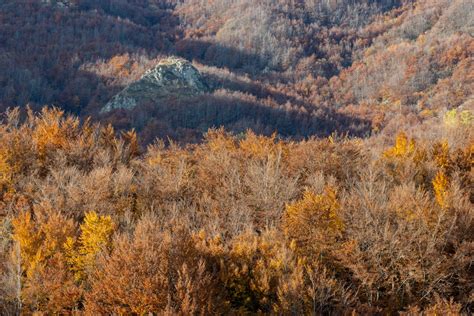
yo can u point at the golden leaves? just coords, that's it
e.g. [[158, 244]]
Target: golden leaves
[[29, 239], [379, 235], [403, 147], [217, 140], [40, 239], [253, 268], [314, 220], [96, 233], [52, 130], [440, 186], [259, 146]]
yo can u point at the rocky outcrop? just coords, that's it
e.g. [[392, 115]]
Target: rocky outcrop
[[170, 78], [58, 3]]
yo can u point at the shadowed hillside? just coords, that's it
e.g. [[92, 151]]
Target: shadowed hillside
[[373, 61]]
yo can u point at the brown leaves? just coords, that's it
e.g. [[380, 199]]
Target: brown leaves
[[151, 271], [237, 224]]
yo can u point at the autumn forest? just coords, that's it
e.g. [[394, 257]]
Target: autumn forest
[[236, 157]]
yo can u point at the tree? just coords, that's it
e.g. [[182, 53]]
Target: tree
[[46, 283], [314, 223], [96, 235], [152, 271]]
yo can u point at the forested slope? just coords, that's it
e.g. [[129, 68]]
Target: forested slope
[[322, 165], [314, 67]]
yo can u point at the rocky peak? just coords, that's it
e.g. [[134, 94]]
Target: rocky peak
[[171, 77]]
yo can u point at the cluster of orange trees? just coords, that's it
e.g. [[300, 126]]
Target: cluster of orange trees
[[92, 223]]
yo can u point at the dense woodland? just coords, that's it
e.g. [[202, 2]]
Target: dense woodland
[[328, 171], [236, 224], [298, 68]]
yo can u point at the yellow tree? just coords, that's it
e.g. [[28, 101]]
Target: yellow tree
[[403, 147], [406, 161], [96, 234], [46, 283], [51, 131], [314, 222], [440, 186]]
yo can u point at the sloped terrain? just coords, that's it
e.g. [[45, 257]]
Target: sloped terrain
[[236, 157], [311, 57], [318, 66]]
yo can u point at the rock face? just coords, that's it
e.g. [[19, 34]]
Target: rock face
[[170, 78], [58, 3]]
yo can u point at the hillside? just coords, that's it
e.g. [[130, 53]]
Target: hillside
[[305, 68], [236, 157]]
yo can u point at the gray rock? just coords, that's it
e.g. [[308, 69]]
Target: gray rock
[[62, 4], [170, 78]]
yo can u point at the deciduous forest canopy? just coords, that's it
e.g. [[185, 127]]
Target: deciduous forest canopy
[[236, 157]]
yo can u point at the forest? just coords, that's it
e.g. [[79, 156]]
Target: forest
[[326, 171], [234, 225], [300, 68]]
